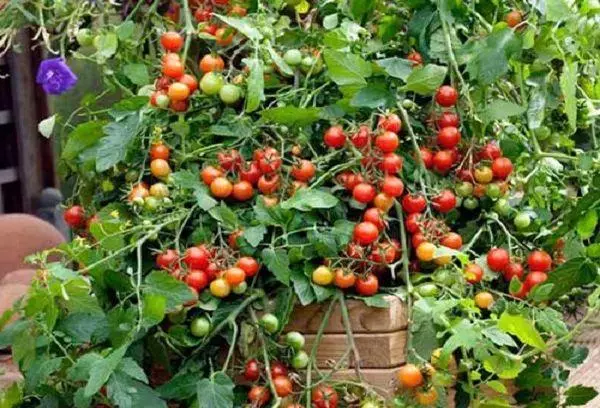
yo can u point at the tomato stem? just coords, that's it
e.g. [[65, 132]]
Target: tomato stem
[[349, 335]]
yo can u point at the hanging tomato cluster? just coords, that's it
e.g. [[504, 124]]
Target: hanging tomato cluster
[[416, 382], [204, 15]]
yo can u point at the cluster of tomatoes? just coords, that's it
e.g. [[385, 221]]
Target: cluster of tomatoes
[[539, 264], [416, 382], [206, 267], [76, 218], [204, 15]]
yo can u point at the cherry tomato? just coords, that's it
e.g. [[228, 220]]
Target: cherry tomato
[[426, 251], [365, 233], [230, 94], [427, 157], [390, 123], [159, 151], [171, 41], [427, 397], [211, 83], [160, 168], [251, 370], [242, 191], [322, 276], [238, 10], [498, 259], [197, 280], [268, 183], [173, 68], [278, 369], [234, 276], [295, 340], [270, 323], [452, 240], [443, 161], [465, 175], [221, 187], [383, 202], [178, 91], [324, 397], [212, 63], [387, 142], [362, 137], [233, 238], [190, 81], [270, 160], [412, 222], [522, 220], [446, 96], [539, 261], [178, 106], [167, 259], [210, 28], [344, 279], [209, 174], [259, 396], [484, 300], [417, 239], [367, 286], [513, 269], [483, 174], [445, 201], [448, 137], [220, 288], [409, 376], [415, 58], [334, 137], [490, 151], [304, 170], [139, 191], [534, 278], [250, 173], [196, 257], [224, 36], [514, 18], [392, 186], [283, 386], [200, 327], [203, 14], [502, 167], [414, 203], [391, 163], [75, 216], [473, 273], [448, 119], [229, 160], [375, 216], [249, 265], [364, 193], [299, 362], [383, 253]]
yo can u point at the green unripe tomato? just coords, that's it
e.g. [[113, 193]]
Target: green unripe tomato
[[295, 340], [138, 202], [408, 104], [270, 323], [162, 101], [502, 207], [522, 220], [200, 327], [230, 94], [167, 202], [211, 83], [107, 186], [293, 57], [428, 290], [543, 132], [464, 189], [470, 203], [151, 204], [132, 176], [240, 288], [493, 190], [443, 277], [300, 360], [85, 38]]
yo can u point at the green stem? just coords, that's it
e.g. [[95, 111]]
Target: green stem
[[557, 156], [349, 335], [189, 29], [405, 272], [231, 347], [416, 148], [263, 346]]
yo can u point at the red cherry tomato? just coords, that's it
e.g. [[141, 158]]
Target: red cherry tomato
[[452, 240], [513, 269], [270, 160], [445, 201], [490, 151], [212, 63], [414, 203], [365, 233], [413, 222], [502, 167], [446, 96], [268, 183], [171, 41], [375, 216], [278, 369], [415, 58], [534, 278], [334, 137], [539, 261], [427, 157], [362, 137], [259, 396], [367, 286], [391, 163], [75, 216], [448, 137], [443, 161], [190, 81], [387, 142], [390, 123], [242, 191], [304, 171], [392, 186], [249, 265], [448, 119], [250, 173], [514, 18], [283, 386], [364, 193], [473, 273], [197, 280], [196, 257], [417, 239], [251, 370], [498, 259], [167, 259]]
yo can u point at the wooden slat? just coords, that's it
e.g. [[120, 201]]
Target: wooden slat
[[363, 319], [377, 350]]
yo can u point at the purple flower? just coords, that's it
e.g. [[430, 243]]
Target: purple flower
[[55, 76]]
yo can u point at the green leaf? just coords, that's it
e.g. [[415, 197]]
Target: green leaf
[[498, 337], [254, 235], [278, 262], [373, 96], [557, 10], [106, 44], [396, 67], [522, 328], [308, 199], [574, 273], [108, 233], [130, 367], [501, 110], [12, 396], [505, 368], [465, 335], [77, 297], [84, 136], [127, 392], [216, 392], [137, 73], [173, 290], [490, 56], [102, 370], [568, 86], [302, 287], [292, 115], [379, 300], [39, 372], [80, 371], [125, 30], [330, 21], [580, 395], [188, 180], [426, 80], [541, 293], [180, 387], [587, 225], [242, 25], [536, 108], [423, 329], [572, 356], [155, 307], [347, 69], [225, 215], [80, 327], [497, 386], [114, 145], [280, 62], [360, 9], [255, 93]]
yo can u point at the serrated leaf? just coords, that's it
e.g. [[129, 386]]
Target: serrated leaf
[[500, 110], [498, 337], [292, 115], [126, 392], [255, 92], [242, 25], [302, 287], [117, 138], [490, 56], [181, 387], [557, 10], [308, 199], [137, 73], [396, 67], [346, 69], [216, 392], [278, 263], [254, 235], [280, 62], [426, 80], [568, 86], [522, 328], [101, 371], [373, 96], [587, 225], [106, 44], [576, 272], [83, 137], [225, 215], [579, 395], [536, 108], [173, 290]]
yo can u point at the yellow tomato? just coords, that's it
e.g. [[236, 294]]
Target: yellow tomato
[[426, 251], [322, 276], [220, 288]]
